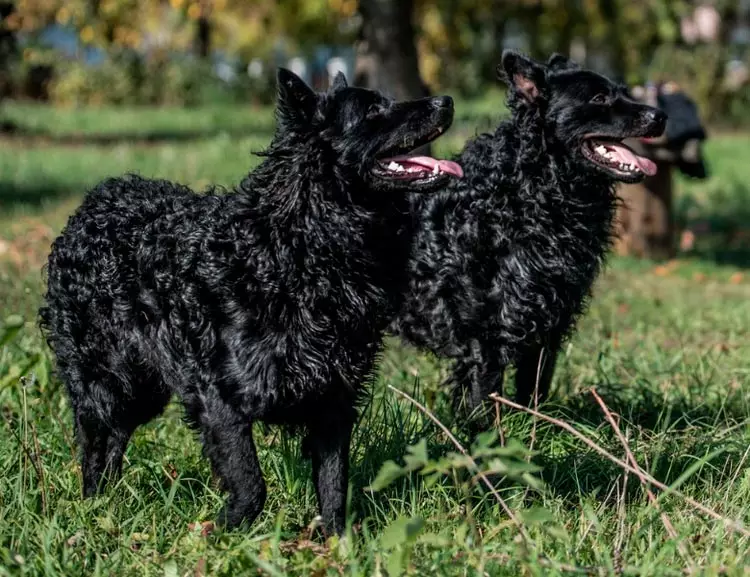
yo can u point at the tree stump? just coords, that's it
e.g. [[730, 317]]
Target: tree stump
[[645, 225]]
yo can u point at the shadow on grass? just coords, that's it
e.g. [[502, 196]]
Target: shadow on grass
[[719, 218], [28, 138], [723, 256], [30, 194], [656, 411], [670, 437]]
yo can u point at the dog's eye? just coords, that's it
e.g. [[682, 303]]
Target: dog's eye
[[374, 111], [600, 99]]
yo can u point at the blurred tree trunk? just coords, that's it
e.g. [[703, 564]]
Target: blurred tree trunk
[[387, 51], [645, 218], [8, 49], [645, 223], [203, 30], [202, 43], [611, 13]]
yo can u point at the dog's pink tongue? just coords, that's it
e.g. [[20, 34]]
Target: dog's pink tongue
[[446, 166], [627, 156]]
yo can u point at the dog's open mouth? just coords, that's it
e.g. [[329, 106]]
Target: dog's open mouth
[[617, 158], [399, 165], [418, 167]]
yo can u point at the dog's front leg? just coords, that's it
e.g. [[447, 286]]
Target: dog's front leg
[[328, 446], [228, 443]]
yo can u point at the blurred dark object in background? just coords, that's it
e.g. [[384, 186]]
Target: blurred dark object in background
[[645, 221], [8, 49], [684, 122]]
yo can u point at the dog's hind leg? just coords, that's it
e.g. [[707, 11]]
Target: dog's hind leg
[[478, 374], [528, 370], [228, 444], [327, 443]]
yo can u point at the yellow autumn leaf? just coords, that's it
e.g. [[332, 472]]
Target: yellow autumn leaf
[[349, 7], [194, 12], [87, 34]]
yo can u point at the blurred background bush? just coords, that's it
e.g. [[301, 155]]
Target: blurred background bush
[[191, 52]]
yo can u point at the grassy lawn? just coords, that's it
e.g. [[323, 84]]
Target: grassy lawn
[[665, 345]]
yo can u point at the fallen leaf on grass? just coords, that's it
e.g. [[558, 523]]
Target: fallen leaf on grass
[[303, 545], [206, 527], [722, 348], [667, 269], [171, 471], [200, 568], [736, 278], [73, 540], [137, 540], [699, 277]]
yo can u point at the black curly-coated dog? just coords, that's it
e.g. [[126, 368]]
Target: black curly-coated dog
[[266, 304], [505, 258]]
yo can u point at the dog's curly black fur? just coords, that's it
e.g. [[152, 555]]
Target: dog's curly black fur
[[505, 258], [267, 304]]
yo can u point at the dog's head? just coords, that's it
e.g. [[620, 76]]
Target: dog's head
[[588, 114], [370, 136]]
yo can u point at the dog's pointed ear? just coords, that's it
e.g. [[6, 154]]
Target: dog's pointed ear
[[339, 82], [522, 74], [296, 101], [561, 62]]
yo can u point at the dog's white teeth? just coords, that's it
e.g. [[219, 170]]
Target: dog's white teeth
[[395, 166], [435, 169], [601, 149]]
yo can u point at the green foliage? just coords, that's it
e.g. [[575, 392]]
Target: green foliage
[[698, 70], [486, 458], [130, 80]]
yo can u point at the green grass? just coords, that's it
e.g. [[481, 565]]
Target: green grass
[[665, 347], [136, 122]]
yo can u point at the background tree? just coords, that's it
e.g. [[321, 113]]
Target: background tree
[[386, 49]]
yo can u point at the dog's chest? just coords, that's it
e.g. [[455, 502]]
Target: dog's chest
[[546, 264], [312, 326]]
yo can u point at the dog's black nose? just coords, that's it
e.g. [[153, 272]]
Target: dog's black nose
[[657, 117], [442, 102]]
